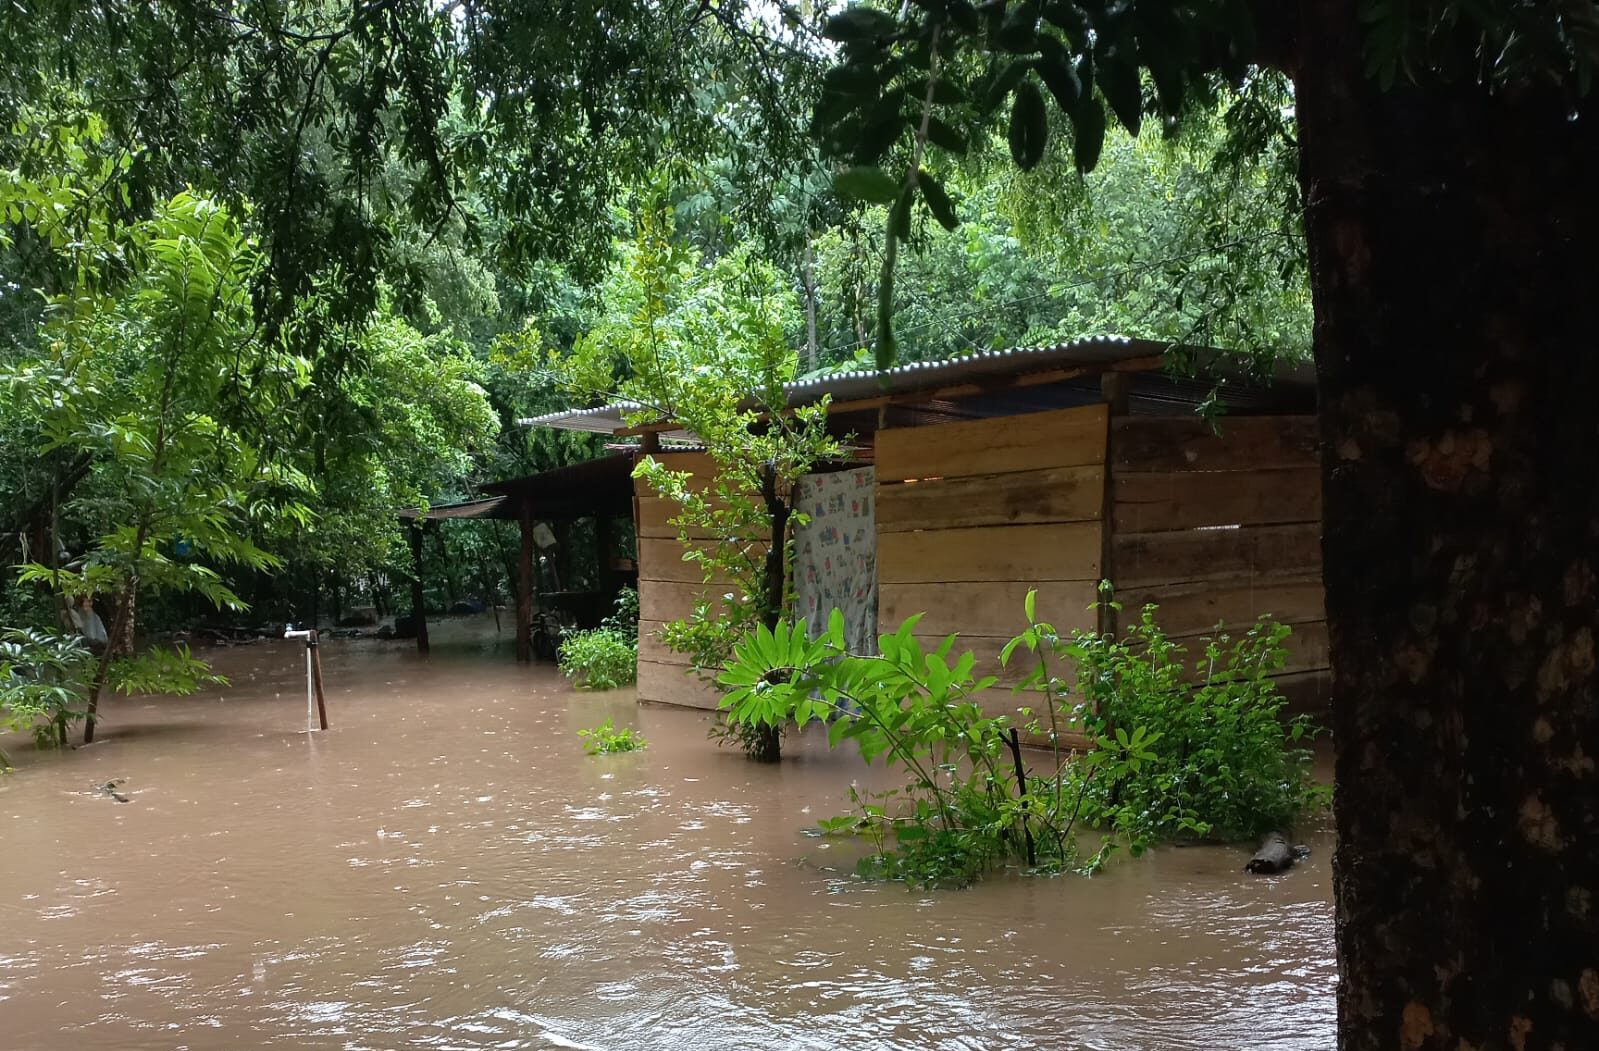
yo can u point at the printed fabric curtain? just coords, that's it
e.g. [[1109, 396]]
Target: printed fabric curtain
[[835, 554]]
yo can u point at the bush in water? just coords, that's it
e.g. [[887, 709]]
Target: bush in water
[[1227, 767], [1166, 758], [605, 739], [602, 659]]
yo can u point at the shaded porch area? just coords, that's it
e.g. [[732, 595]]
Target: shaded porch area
[[577, 547]]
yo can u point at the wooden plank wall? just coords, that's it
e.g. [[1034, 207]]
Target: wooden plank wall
[[1222, 528], [971, 515], [668, 589]]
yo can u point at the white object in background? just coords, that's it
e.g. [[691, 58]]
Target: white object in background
[[310, 697], [543, 536]]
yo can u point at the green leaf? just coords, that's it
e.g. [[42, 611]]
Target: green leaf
[[899, 217], [1018, 33], [1118, 81], [1029, 128], [1055, 69], [945, 137], [866, 183], [1003, 82], [1030, 605], [1088, 134], [938, 201], [859, 24]]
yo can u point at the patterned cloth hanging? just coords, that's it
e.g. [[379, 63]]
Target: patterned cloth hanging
[[835, 554]]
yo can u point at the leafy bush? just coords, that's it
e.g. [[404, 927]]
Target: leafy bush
[[607, 656], [45, 680], [625, 617], [1227, 766], [605, 739], [960, 810], [175, 671], [43, 685], [1167, 757], [601, 659]]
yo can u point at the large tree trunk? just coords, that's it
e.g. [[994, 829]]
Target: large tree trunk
[[1454, 246]]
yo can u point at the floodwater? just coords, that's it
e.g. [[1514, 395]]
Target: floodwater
[[445, 868]]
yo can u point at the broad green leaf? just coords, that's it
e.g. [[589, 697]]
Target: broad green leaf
[[1029, 127], [866, 183], [938, 201]]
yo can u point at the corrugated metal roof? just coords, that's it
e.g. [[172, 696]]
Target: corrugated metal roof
[[1098, 352], [491, 508]]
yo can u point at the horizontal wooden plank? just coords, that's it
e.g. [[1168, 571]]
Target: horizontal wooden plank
[[673, 684], [651, 648], [1145, 559], [1056, 494], [1157, 501], [1028, 442], [653, 520], [985, 607], [661, 600], [987, 648], [1186, 609], [701, 465], [660, 559], [1308, 693], [1066, 551], [1188, 443], [1001, 700], [1307, 648]]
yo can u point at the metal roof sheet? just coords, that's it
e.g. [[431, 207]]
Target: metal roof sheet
[[1101, 352]]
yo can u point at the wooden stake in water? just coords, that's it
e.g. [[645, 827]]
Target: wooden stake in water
[[315, 705]]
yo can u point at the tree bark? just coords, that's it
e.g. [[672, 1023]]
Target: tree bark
[[774, 586], [1454, 245], [808, 273]]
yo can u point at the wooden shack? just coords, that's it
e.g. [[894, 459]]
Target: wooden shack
[[1051, 468]]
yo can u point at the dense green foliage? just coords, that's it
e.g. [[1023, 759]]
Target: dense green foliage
[[707, 346], [917, 91], [605, 657], [606, 739], [1166, 759], [41, 685], [1228, 764]]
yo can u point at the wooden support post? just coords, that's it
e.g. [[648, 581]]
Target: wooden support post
[[419, 611], [489, 595], [1115, 388], [524, 585], [602, 552], [316, 677]]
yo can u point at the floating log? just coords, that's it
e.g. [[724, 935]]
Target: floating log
[[1274, 855]]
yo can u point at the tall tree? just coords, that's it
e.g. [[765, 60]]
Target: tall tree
[[1448, 159]]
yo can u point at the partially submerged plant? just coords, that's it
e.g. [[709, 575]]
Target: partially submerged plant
[[601, 659], [43, 685], [605, 657], [1166, 758], [605, 739]]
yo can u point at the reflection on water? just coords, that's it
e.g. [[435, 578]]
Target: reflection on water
[[446, 869]]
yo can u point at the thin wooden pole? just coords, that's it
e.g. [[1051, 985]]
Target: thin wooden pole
[[419, 612], [1021, 787], [316, 676], [524, 584], [489, 595]]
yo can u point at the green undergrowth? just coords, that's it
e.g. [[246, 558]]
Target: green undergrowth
[[1177, 749], [606, 657], [606, 739]]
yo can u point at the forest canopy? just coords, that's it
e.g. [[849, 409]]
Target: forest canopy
[[437, 201]]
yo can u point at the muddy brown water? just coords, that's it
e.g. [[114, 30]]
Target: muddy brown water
[[446, 869]]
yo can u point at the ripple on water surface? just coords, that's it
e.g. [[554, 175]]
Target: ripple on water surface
[[446, 869]]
